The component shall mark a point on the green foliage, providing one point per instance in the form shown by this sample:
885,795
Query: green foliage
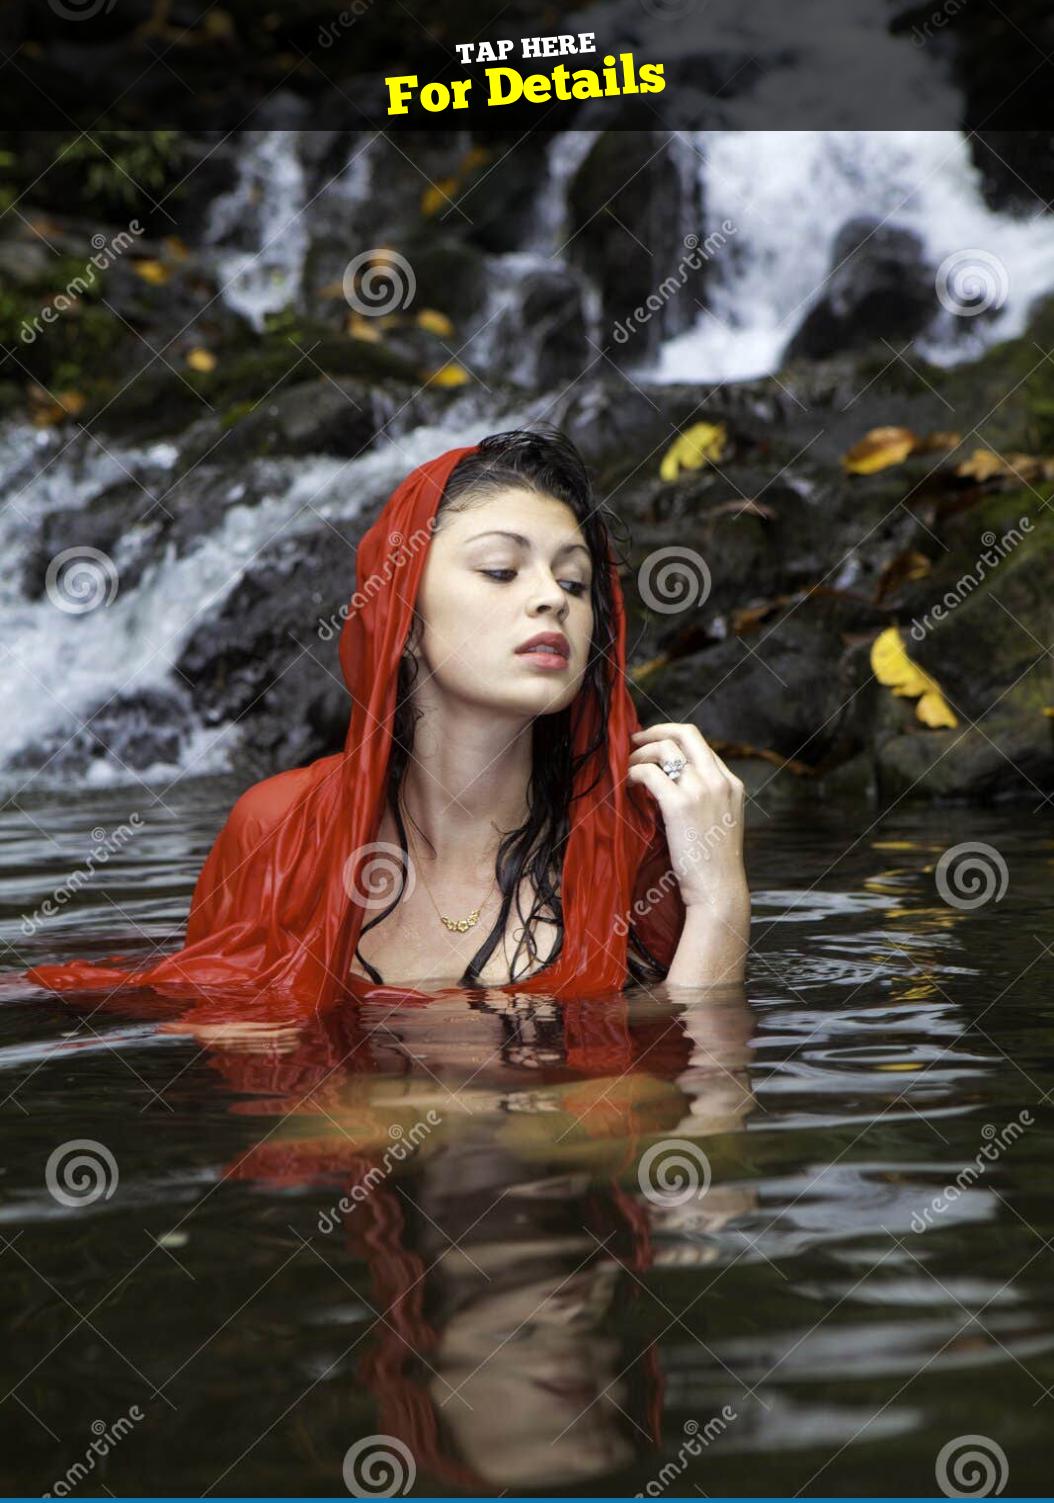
119,167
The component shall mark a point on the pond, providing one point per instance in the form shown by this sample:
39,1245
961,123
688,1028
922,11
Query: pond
790,1238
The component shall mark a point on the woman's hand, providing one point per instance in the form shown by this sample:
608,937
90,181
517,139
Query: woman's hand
702,812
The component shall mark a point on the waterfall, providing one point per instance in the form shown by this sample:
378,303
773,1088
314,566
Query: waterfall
64,660
789,193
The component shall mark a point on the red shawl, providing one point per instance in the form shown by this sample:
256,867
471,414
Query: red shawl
273,918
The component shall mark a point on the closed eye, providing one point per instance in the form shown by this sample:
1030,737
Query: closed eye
574,586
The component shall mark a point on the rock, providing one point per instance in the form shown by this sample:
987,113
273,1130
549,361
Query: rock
789,687
1016,166
628,211
277,671
136,730
551,329
879,287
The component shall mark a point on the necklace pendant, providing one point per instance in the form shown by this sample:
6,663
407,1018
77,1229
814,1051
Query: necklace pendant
460,926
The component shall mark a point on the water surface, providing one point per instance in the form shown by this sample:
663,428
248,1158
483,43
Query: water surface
670,1243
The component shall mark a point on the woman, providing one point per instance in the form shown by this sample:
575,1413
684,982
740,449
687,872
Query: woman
497,816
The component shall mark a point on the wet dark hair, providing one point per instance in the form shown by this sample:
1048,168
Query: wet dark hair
545,461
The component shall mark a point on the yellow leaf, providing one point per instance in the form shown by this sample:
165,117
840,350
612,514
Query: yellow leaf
878,449
934,443
46,413
154,272
362,328
450,374
201,360
437,196
475,157
1049,710
434,321
175,247
692,448
892,667
981,465
933,710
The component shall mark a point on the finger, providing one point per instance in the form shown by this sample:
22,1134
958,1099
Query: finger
659,751
656,782
694,745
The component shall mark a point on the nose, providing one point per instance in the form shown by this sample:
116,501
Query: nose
548,596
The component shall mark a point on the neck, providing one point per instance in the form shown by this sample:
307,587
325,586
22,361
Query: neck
466,784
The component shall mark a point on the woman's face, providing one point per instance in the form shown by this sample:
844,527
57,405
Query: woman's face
484,593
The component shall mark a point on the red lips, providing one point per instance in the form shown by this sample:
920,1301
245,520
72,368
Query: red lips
555,641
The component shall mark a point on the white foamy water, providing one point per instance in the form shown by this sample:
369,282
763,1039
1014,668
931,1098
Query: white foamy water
788,193
60,666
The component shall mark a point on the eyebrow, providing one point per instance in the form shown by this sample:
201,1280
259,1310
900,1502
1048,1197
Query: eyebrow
518,537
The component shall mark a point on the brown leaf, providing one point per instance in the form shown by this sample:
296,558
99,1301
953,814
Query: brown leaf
908,565
879,449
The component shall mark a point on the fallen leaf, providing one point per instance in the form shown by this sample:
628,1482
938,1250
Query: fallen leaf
879,449
50,409
985,464
937,442
740,507
201,360
909,564
893,668
450,374
693,448
437,195
362,328
434,321
154,272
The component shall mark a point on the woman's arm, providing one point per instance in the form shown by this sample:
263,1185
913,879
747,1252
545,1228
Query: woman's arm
713,943
702,813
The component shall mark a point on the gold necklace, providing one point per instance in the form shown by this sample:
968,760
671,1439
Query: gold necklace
460,926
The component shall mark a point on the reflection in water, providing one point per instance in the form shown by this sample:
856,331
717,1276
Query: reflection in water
499,1252
427,1220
